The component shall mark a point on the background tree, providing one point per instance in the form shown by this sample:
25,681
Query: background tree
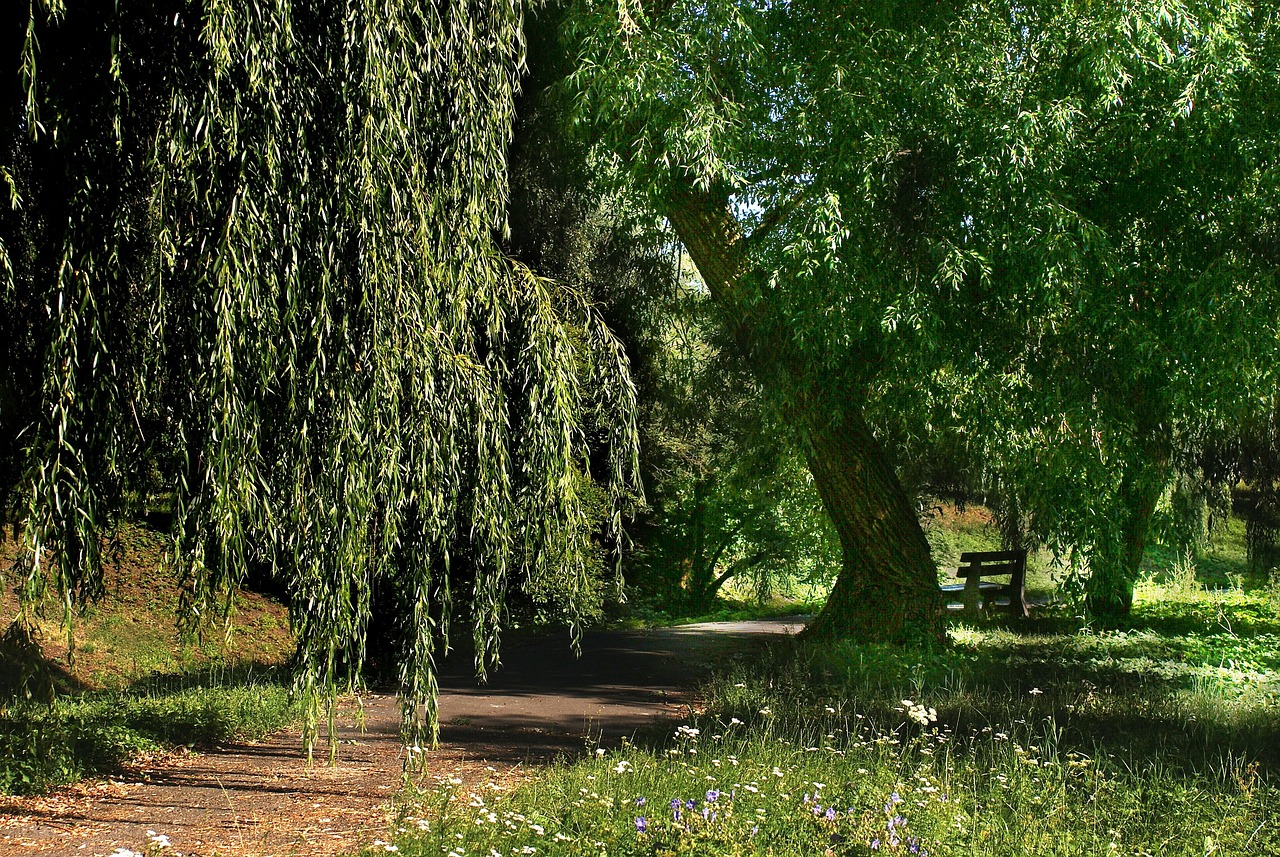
726,495
1144,318
270,229
730,499
886,196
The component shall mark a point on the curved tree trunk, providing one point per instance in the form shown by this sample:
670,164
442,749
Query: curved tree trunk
887,589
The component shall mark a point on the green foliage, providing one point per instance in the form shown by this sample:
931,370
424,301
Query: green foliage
262,260
730,500
43,746
1047,228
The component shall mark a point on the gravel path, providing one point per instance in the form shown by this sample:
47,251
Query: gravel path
260,799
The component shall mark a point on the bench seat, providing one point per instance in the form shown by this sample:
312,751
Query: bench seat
977,593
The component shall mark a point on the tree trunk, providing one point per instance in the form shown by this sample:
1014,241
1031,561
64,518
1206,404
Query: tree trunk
1109,590
887,589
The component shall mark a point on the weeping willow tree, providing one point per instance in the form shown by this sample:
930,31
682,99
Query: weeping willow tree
255,246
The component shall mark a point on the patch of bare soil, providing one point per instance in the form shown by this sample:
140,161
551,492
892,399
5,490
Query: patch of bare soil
255,800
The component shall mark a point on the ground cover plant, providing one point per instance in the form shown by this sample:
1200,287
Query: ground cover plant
1047,738
45,745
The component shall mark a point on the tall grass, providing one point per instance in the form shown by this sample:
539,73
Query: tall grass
1162,738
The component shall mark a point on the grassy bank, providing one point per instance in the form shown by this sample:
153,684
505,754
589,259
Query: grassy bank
1159,738
130,684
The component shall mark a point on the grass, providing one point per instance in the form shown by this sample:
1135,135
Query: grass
45,745
133,685
1050,738
726,609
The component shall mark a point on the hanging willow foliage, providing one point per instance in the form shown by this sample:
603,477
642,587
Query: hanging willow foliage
267,232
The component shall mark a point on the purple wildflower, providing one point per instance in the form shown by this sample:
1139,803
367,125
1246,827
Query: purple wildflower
642,824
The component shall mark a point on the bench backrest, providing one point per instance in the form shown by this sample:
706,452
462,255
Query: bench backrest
990,563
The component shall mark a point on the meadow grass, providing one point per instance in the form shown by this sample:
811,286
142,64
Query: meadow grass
1043,738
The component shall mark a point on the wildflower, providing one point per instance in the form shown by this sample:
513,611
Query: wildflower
875,844
1035,691
641,801
830,814
642,824
713,796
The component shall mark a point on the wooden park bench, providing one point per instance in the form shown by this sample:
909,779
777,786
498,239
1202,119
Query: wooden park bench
977,592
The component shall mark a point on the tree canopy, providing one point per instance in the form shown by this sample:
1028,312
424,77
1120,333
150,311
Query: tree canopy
255,248
1054,213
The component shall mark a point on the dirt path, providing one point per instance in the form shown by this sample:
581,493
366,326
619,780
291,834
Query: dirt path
255,800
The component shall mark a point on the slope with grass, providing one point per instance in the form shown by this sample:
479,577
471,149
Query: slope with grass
123,682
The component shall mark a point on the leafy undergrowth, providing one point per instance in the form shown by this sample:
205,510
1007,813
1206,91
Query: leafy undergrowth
130,684
1049,739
